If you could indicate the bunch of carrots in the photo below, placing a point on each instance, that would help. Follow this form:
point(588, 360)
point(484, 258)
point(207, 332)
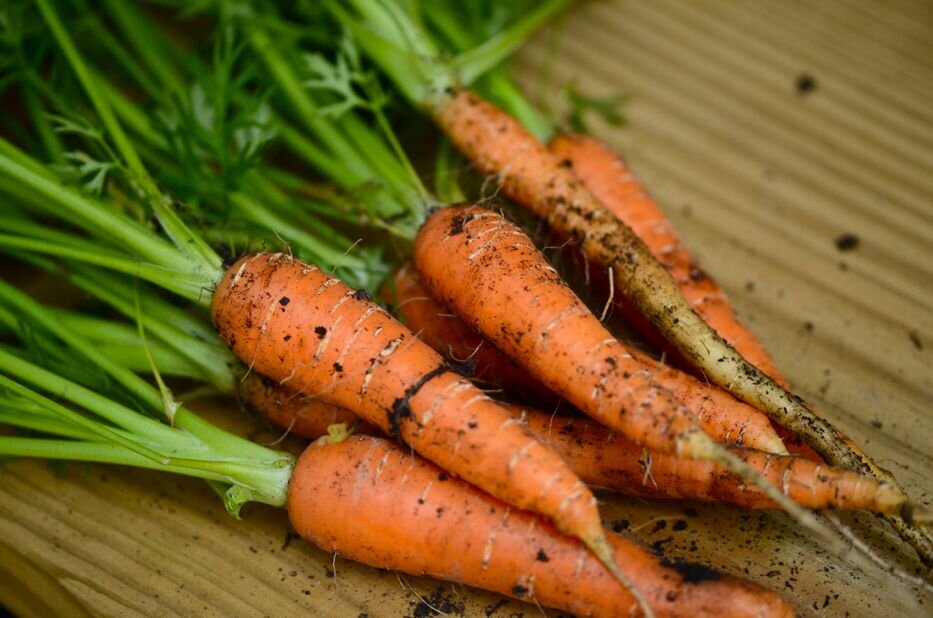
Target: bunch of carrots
point(413, 462)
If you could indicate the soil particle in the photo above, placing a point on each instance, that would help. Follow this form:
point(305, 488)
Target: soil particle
point(692, 572)
point(438, 603)
point(847, 242)
point(620, 525)
point(805, 84)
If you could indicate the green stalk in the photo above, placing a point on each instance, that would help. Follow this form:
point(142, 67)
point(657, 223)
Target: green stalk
point(96, 218)
point(187, 242)
point(40, 422)
point(142, 429)
point(136, 386)
point(492, 52)
point(148, 45)
point(192, 287)
point(122, 142)
point(48, 137)
point(304, 106)
point(258, 481)
point(323, 254)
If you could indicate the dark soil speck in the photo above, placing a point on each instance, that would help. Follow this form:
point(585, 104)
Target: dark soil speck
point(847, 242)
point(805, 84)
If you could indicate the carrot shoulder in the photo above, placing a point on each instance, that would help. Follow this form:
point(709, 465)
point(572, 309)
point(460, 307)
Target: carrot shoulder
point(305, 329)
point(718, 413)
point(375, 503)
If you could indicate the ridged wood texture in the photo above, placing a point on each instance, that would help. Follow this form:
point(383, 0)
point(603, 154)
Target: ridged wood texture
point(760, 180)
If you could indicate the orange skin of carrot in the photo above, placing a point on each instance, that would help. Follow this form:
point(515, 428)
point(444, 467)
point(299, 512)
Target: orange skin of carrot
point(608, 461)
point(302, 415)
point(305, 329)
point(608, 177)
point(482, 266)
point(717, 412)
point(373, 502)
point(453, 339)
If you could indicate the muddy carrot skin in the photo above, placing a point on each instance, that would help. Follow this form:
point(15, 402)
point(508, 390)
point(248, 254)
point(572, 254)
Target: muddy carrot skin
point(493, 276)
point(606, 175)
point(373, 502)
point(718, 413)
point(610, 179)
point(305, 329)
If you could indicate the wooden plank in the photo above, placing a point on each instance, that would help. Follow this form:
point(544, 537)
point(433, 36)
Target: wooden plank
point(760, 180)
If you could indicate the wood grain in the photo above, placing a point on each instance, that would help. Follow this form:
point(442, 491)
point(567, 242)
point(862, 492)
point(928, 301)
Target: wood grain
point(760, 180)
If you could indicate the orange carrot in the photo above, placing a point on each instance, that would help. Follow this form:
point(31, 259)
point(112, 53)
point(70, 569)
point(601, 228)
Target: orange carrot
point(482, 266)
point(718, 413)
point(373, 502)
point(608, 461)
point(303, 415)
point(610, 179)
point(456, 341)
point(491, 268)
point(607, 176)
point(302, 327)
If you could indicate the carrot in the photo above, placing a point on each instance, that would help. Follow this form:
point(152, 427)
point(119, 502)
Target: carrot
point(450, 337)
point(372, 502)
point(717, 413)
point(608, 177)
point(481, 266)
point(302, 327)
point(489, 267)
point(365, 498)
point(608, 461)
point(302, 415)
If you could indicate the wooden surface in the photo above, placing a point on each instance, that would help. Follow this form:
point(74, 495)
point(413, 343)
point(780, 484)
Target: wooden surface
point(761, 180)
